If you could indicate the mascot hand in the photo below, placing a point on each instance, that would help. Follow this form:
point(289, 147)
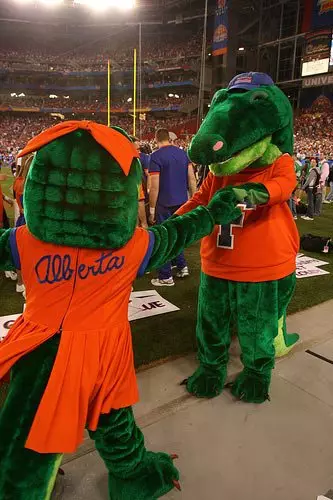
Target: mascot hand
point(222, 207)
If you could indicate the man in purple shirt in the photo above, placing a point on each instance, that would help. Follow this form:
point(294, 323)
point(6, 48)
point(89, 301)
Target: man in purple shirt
point(172, 180)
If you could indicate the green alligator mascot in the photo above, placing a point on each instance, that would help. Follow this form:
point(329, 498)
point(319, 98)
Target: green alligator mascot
point(248, 266)
point(70, 355)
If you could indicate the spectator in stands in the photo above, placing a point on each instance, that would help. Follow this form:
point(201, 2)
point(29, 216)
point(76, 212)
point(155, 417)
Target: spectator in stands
point(171, 179)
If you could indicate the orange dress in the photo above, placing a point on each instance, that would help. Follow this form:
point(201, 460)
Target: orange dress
point(83, 295)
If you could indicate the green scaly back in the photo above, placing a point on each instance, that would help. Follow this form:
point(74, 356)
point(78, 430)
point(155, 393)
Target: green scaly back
point(77, 195)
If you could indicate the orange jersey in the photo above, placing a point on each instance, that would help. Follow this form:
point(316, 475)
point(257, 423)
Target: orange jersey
point(261, 245)
point(82, 295)
point(18, 189)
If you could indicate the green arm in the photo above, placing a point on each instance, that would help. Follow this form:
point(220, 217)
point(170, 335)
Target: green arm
point(6, 260)
point(254, 192)
point(177, 233)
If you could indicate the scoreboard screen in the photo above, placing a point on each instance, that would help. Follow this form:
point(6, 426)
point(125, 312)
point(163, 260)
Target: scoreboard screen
point(317, 56)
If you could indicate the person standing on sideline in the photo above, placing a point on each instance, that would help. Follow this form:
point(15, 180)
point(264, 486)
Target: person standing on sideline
point(329, 197)
point(310, 187)
point(324, 173)
point(172, 180)
point(142, 215)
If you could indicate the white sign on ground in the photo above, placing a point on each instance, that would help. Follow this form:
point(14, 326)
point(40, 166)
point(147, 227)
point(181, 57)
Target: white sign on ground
point(141, 305)
point(148, 303)
point(309, 272)
point(307, 267)
point(304, 259)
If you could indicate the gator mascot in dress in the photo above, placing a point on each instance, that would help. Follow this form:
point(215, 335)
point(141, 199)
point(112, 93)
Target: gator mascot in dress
point(248, 266)
point(70, 354)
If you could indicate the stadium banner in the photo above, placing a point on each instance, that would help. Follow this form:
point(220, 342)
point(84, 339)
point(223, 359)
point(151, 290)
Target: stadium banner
point(318, 81)
point(316, 54)
point(221, 26)
point(317, 14)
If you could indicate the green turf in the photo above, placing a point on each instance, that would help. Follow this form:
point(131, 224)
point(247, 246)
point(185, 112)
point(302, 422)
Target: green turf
point(174, 333)
point(6, 187)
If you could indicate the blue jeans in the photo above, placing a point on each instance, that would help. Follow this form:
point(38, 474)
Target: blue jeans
point(330, 194)
point(162, 214)
point(292, 206)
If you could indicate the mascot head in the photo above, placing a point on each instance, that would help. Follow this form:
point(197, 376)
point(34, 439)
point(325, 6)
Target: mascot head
point(82, 187)
point(249, 123)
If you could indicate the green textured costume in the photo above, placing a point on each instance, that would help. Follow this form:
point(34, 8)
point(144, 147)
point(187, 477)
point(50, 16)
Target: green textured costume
point(247, 267)
point(78, 195)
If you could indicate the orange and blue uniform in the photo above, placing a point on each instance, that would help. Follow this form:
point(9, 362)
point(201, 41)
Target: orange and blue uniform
point(88, 293)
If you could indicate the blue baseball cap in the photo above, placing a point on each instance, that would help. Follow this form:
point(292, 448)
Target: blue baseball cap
point(250, 81)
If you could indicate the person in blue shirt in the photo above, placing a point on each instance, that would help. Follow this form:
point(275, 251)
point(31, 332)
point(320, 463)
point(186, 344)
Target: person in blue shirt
point(172, 180)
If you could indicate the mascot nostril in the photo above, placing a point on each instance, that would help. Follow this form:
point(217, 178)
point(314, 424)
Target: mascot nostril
point(218, 146)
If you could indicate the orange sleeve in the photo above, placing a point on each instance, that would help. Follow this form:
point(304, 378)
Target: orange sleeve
point(201, 197)
point(283, 182)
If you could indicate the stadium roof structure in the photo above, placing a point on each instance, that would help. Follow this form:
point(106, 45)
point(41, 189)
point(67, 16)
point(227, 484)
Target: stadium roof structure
point(69, 11)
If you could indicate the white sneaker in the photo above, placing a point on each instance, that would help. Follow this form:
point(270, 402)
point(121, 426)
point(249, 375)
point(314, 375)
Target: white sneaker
point(167, 282)
point(327, 201)
point(20, 288)
point(295, 217)
point(307, 218)
point(11, 275)
point(182, 273)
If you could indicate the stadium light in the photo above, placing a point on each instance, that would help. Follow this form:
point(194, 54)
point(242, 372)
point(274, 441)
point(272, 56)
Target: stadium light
point(53, 96)
point(21, 95)
point(170, 95)
point(129, 99)
point(106, 4)
point(176, 96)
point(66, 96)
point(241, 49)
point(51, 2)
point(13, 94)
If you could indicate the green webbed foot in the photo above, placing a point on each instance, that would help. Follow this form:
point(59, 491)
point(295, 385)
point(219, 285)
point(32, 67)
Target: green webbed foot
point(251, 387)
point(153, 478)
point(207, 382)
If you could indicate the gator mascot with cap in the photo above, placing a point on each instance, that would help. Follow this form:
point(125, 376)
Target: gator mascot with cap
point(248, 266)
point(70, 354)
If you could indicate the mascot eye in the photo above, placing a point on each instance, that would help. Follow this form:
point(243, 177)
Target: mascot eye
point(260, 95)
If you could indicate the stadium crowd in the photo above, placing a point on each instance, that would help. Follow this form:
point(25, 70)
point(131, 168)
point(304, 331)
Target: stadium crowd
point(314, 134)
point(168, 51)
point(15, 131)
point(313, 131)
point(96, 103)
